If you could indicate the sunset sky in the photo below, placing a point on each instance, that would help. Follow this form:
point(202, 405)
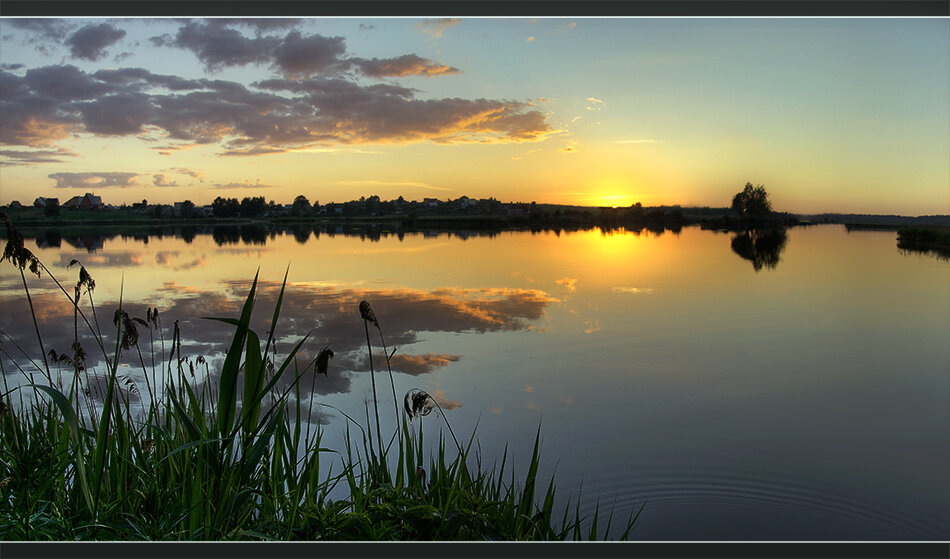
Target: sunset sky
point(831, 115)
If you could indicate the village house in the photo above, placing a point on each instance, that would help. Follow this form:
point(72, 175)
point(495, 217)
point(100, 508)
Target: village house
point(42, 202)
point(85, 202)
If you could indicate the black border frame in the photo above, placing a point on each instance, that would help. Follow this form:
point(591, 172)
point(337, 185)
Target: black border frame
point(476, 8)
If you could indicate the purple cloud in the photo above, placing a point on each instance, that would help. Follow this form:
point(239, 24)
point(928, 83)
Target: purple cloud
point(91, 41)
point(95, 180)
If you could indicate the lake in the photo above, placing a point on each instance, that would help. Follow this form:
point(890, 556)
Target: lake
point(793, 388)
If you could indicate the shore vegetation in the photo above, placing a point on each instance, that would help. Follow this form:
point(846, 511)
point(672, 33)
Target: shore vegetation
point(175, 457)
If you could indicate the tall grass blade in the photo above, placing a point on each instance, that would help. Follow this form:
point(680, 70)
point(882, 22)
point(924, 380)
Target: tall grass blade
point(227, 395)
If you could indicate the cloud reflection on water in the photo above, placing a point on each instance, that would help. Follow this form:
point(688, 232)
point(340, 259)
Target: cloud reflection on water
point(328, 312)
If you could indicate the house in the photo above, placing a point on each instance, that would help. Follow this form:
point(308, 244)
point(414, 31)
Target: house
point(431, 202)
point(42, 202)
point(15, 205)
point(90, 202)
point(84, 202)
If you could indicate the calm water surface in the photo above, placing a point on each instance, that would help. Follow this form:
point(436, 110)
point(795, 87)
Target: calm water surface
point(809, 400)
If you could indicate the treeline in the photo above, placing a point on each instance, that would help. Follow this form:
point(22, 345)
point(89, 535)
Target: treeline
point(255, 206)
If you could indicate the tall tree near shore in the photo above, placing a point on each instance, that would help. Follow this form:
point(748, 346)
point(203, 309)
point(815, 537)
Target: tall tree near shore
point(301, 206)
point(752, 202)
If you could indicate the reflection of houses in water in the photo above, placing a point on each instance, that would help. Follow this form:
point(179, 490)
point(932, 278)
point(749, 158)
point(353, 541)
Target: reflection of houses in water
point(49, 239)
point(259, 234)
point(90, 243)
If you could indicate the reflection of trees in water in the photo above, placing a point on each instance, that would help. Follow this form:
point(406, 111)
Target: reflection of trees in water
point(226, 235)
point(259, 234)
point(935, 242)
point(237, 234)
point(301, 233)
point(188, 234)
point(763, 247)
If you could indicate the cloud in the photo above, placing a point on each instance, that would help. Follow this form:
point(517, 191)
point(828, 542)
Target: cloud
point(165, 258)
point(421, 364)
point(50, 103)
point(167, 150)
point(42, 28)
point(190, 172)
point(373, 183)
point(90, 42)
point(569, 283)
point(330, 313)
point(596, 104)
point(406, 65)
point(635, 142)
point(245, 184)
point(444, 402)
point(95, 180)
point(161, 179)
point(122, 114)
point(529, 39)
point(196, 263)
point(436, 27)
point(218, 46)
point(633, 290)
point(297, 54)
point(18, 157)
point(258, 25)
point(315, 103)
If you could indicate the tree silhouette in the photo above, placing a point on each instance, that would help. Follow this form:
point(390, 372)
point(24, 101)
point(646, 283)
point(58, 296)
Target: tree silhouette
point(752, 202)
point(188, 209)
point(301, 206)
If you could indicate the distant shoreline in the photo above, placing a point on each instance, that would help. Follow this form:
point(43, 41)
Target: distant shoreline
point(546, 215)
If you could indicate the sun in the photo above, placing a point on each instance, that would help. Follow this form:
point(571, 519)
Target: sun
point(612, 200)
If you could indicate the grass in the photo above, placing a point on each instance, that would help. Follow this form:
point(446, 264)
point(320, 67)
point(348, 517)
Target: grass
point(238, 461)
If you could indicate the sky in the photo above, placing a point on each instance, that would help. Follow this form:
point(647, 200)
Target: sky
point(831, 115)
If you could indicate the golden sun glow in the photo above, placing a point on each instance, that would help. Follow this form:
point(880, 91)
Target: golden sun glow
point(612, 200)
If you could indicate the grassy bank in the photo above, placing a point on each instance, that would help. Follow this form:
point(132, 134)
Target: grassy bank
point(177, 458)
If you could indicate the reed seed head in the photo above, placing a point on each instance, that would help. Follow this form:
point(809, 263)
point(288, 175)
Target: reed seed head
point(84, 278)
point(323, 361)
point(130, 335)
point(418, 403)
point(367, 313)
point(16, 252)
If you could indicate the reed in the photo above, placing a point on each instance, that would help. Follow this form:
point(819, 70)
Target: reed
point(202, 462)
